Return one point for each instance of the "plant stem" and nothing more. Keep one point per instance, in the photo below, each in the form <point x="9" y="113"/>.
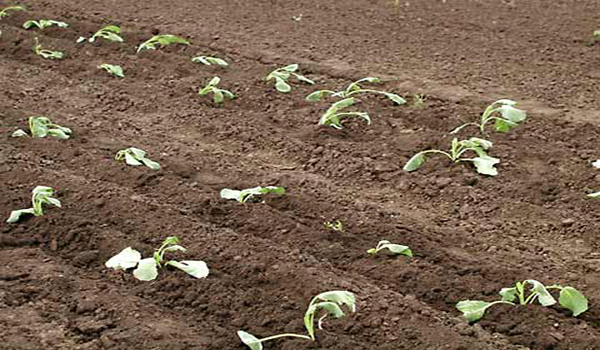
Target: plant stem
<point x="285" y="335"/>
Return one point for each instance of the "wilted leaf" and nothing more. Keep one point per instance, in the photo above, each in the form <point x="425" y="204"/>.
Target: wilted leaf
<point x="147" y="270"/>
<point x="126" y="259"/>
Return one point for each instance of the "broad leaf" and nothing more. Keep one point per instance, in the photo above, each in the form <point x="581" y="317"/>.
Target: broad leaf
<point x="113" y="69"/>
<point x="397" y="99"/>
<point x="473" y="310"/>
<point x="502" y="125"/>
<point x="318" y="95"/>
<point x="415" y="162"/>
<point x="131" y="160"/>
<point x="126" y="259"/>
<point x="196" y="269"/>
<point x="19" y="133"/>
<point x="291" y="68"/>
<point x="485" y="144"/>
<point x="250" y="340"/>
<point x="573" y="300"/>
<point x="217" y="96"/>
<point x="396" y="248"/>
<point x="15" y="215"/>
<point x="59" y="133"/>
<point x="150" y="164"/>
<point x="508" y="294"/>
<point x="485" y="165"/>
<point x="512" y="114"/>
<point x="281" y="85"/>
<point x="231" y="194"/>
<point x="147" y="270"/>
<point x="544" y="296"/>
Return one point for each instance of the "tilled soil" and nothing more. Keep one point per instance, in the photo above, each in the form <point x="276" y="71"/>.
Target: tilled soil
<point x="471" y="234"/>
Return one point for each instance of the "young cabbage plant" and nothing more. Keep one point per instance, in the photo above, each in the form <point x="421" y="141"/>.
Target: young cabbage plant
<point x="334" y="114"/>
<point x="393" y="248"/>
<point x="110" y="32"/>
<point x="327" y="304"/>
<point x="53" y="55"/>
<point x="161" y="40"/>
<point x="40" y="195"/>
<point x="504" y="114"/>
<point x="334" y="225"/>
<point x="483" y="162"/>
<point x="353" y="89"/>
<point x="44" y="23"/>
<point x="42" y="127"/>
<point x="244" y="195"/>
<point x="4" y="11"/>
<point x="135" y="156"/>
<point x="147" y="269"/>
<point x="218" y="94"/>
<point x="570" y="298"/>
<point x="209" y="61"/>
<point x="282" y="76"/>
<point x="112" y="69"/>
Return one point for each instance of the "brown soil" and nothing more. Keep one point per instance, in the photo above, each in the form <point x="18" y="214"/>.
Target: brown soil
<point x="471" y="234"/>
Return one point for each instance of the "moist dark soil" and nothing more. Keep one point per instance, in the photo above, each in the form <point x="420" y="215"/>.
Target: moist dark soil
<point x="471" y="234"/>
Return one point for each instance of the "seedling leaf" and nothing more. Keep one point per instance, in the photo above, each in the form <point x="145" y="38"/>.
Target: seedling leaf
<point x="44" y="23"/>
<point x="161" y="40"/>
<point x="19" y="133"/>
<point x="243" y="195"/>
<point x="207" y="60"/>
<point x="196" y="269"/>
<point x="318" y="95"/>
<point x="393" y="248"/>
<point x="135" y="156"/>
<point x="281" y="85"/>
<point x="474" y="310"/>
<point x="147" y="270"/>
<point x="15" y="215"/>
<point x="112" y="69"/>
<point x="250" y="340"/>
<point x="415" y="162"/>
<point x="485" y="165"/>
<point x="573" y="300"/>
<point x="126" y="259"/>
<point x="544" y="296"/>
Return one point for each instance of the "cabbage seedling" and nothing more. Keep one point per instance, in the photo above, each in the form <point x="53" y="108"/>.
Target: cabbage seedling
<point x="334" y="114"/>
<point x="147" y="269"/>
<point x="282" y="75"/>
<point x="40" y="195"/>
<point x="44" y="23"/>
<point x="483" y="163"/>
<point x="53" y="55"/>
<point x="161" y="40"/>
<point x="330" y="302"/>
<point x="570" y="298"/>
<point x="112" y="69"/>
<point x="110" y="32"/>
<point x="244" y="195"/>
<point x="135" y="156"/>
<point x="503" y="112"/>
<point x="393" y="248"/>
<point x="218" y="94"/>
<point x="5" y="10"/>
<point x="209" y="61"/>
<point x="42" y="127"/>
<point x="334" y="225"/>
<point x="353" y="89"/>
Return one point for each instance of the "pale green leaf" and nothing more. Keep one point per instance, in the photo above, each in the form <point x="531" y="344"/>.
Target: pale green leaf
<point x="196" y="269"/>
<point x="291" y="68"/>
<point x="397" y="99"/>
<point x="131" y="160"/>
<point x="19" y="133"/>
<point x="58" y="133"/>
<point x="250" y="340"/>
<point x="150" y="164"/>
<point x="594" y="195"/>
<point x="508" y="294"/>
<point x="281" y="85"/>
<point x="147" y="270"/>
<point x="112" y="69"/>
<point x="304" y="79"/>
<point x="485" y="165"/>
<point x="573" y="300"/>
<point x="231" y="194"/>
<point x="126" y="259"/>
<point x="397" y="249"/>
<point x="217" y="96"/>
<point x="318" y="95"/>
<point x="512" y="114"/>
<point x="15" y="215"/>
<point x="473" y="310"/>
<point x="415" y="162"/>
<point x="52" y="201"/>
<point x="544" y="296"/>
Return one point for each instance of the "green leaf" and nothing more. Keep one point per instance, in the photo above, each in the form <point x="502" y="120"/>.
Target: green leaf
<point x="196" y="269"/>
<point x="509" y="294"/>
<point x="15" y="215"/>
<point x="544" y="296"/>
<point x="250" y="340"/>
<point x="415" y="162"/>
<point x="162" y="40"/>
<point x="474" y="310"/>
<point x="217" y="96"/>
<point x="214" y="81"/>
<point x="512" y="114"/>
<point x="31" y="23"/>
<point x="397" y="99"/>
<point x="147" y="270"/>
<point x="19" y="133"/>
<point x="59" y="133"/>
<point x="395" y="248"/>
<point x="272" y="189"/>
<point x="329" y="301"/>
<point x="112" y="69"/>
<point x="573" y="300"/>
<point x="281" y="85"/>
<point x="126" y="259"/>
<point x="594" y="195"/>
<point x="485" y="165"/>
<point x="291" y="68"/>
<point x="207" y="60"/>
<point x="502" y="125"/>
<point x="131" y="160"/>
<point x="231" y="194"/>
<point x="340" y="297"/>
<point x="150" y="164"/>
<point x="318" y="95"/>
<point x="485" y="144"/>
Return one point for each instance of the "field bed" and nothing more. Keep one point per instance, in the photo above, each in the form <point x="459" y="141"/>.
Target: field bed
<point x="471" y="234"/>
